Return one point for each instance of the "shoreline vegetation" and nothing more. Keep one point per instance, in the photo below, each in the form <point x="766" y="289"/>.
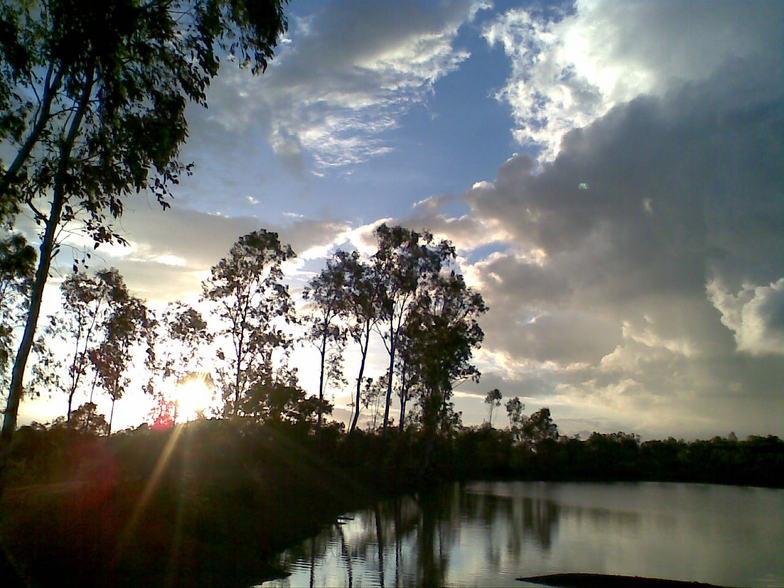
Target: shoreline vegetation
<point x="212" y="502"/>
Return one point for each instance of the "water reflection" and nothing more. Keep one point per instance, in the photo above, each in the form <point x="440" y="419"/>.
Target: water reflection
<point x="490" y="533"/>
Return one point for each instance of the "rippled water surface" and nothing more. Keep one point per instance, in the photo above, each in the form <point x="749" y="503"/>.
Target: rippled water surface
<point x="489" y="533"/>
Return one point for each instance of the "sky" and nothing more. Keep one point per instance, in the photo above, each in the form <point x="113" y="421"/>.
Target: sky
<point x="611" y="174"/>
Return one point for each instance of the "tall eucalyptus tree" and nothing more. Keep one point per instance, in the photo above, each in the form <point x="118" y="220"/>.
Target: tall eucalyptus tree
<point x="92" y="110"/>
<point x="326" y="297"/>
<point x="129" y="328"/>
<point x="88" y="301"/>
<point x="445" y="321"/>
<point x="359" y="309"/>
<point x="405" y="264"/>
<point x="247" y="291"/>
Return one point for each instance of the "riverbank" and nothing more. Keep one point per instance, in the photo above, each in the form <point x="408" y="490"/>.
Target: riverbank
<point x="208" y="504"/>
<point x="212" y="502"/>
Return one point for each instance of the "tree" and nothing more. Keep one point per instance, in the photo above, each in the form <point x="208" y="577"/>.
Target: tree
<point x="129" y="324"/>
<point x="85" y="419"/>
<point x="493" y="399"/>
<point x="326" y="294"/>
<point x="87" y="303"/>
<point x="250" y="297"/>
<point x="17" y="266"/>
<point x="445" y="323"/>
<point x="405" y="262"/>
<point x="281" y="400"/>
<point x="514" y="410"/>
<point x="408" y="377"/>
<point x="359" y="309"/>
<point x="92" y="105"/>
<point x="538" y="427"/>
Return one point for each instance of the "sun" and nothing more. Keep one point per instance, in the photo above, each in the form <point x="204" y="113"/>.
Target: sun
<point x="193" y="396"/>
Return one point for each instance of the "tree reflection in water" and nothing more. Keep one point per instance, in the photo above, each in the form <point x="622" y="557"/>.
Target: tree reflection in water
<point x="408" y="540"/>
<point x="489" y="533"/>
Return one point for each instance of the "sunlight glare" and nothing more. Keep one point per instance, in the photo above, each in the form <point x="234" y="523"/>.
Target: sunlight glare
<point x="193" y="397"/>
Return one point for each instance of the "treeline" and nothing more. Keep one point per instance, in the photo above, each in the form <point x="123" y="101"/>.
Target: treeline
<point x="406" y="300"/>
<point x="483" y="451"/>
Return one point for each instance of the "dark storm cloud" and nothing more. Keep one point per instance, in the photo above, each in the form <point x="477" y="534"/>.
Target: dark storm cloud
<point x="647" y="260"/>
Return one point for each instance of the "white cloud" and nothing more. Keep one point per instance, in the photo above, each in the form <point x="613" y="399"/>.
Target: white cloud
<point x="755" y="315"/>
<point x="354" y="69"/>
<point x="570" y="69"/>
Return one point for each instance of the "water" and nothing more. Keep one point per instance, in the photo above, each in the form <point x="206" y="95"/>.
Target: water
<point x="489" y="533"/>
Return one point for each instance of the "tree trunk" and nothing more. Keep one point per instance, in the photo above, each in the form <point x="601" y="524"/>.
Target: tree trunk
<point x="359" y="382"/>
<point x="111" y="417"/>
<point x="403" y="398"/>
<point x="237" y="379"/>
<point x="391" y="375"/>
<point x="321" y="380"/>
<point x="36" y="294"/>
<point x="70" y="404"/>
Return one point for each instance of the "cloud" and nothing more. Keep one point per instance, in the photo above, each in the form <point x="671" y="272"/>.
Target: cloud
<point x="171" y="252"/>
<point x="755" y="315"/>
<point x="642" y="274"/>
<point x="354" y="69"/>
<point x="569" y="68"/>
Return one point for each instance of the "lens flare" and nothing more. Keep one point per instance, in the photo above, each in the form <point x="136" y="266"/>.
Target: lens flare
<point x="193" y="396"/>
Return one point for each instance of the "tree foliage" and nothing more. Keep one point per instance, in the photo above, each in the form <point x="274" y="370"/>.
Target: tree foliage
<point x="325" y="296"/>
<point x="444" y="332"/>
<point x="359" y="309"/>
<point x="493" y="400"/>
<point x="514" y="411"/>
<point x="129" y="327"/>
<point x="539" y="427"/>
<point x="92" y="108"/>
<point x="406" y="264"/>
<point x="17" y="266"/>
<point x="181" y="340"/>
<point x="249" y="296"/>
<point x="88" y="302"/>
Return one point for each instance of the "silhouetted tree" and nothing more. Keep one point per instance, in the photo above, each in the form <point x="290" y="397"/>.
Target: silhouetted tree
<point x="129" y="325"/>
<point x="539" y="427"/>
<point x="359" y="308"/>
<point x="179" y="347"/>
<point x="93" y="100"/>
<point x="251" y="299"/>
<point x="17" y="267"/>
<point x="445" y="320"/>
<point x="408" y="377"/>
<point x="493" y="399"/>
<point x="88" y="302"/>
<point x="514" y="410"/>
<point x="405" y="262"/>
<point x="86" y="419"/>
<point x="326" y="296"/>
<point x="276" y="401"/>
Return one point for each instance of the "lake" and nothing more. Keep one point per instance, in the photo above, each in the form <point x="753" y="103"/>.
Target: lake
<point x="489" y="533"/>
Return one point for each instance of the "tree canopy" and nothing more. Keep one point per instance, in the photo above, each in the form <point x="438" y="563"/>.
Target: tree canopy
<point x="247" y="290"/>
<point x="92" y="108"/>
